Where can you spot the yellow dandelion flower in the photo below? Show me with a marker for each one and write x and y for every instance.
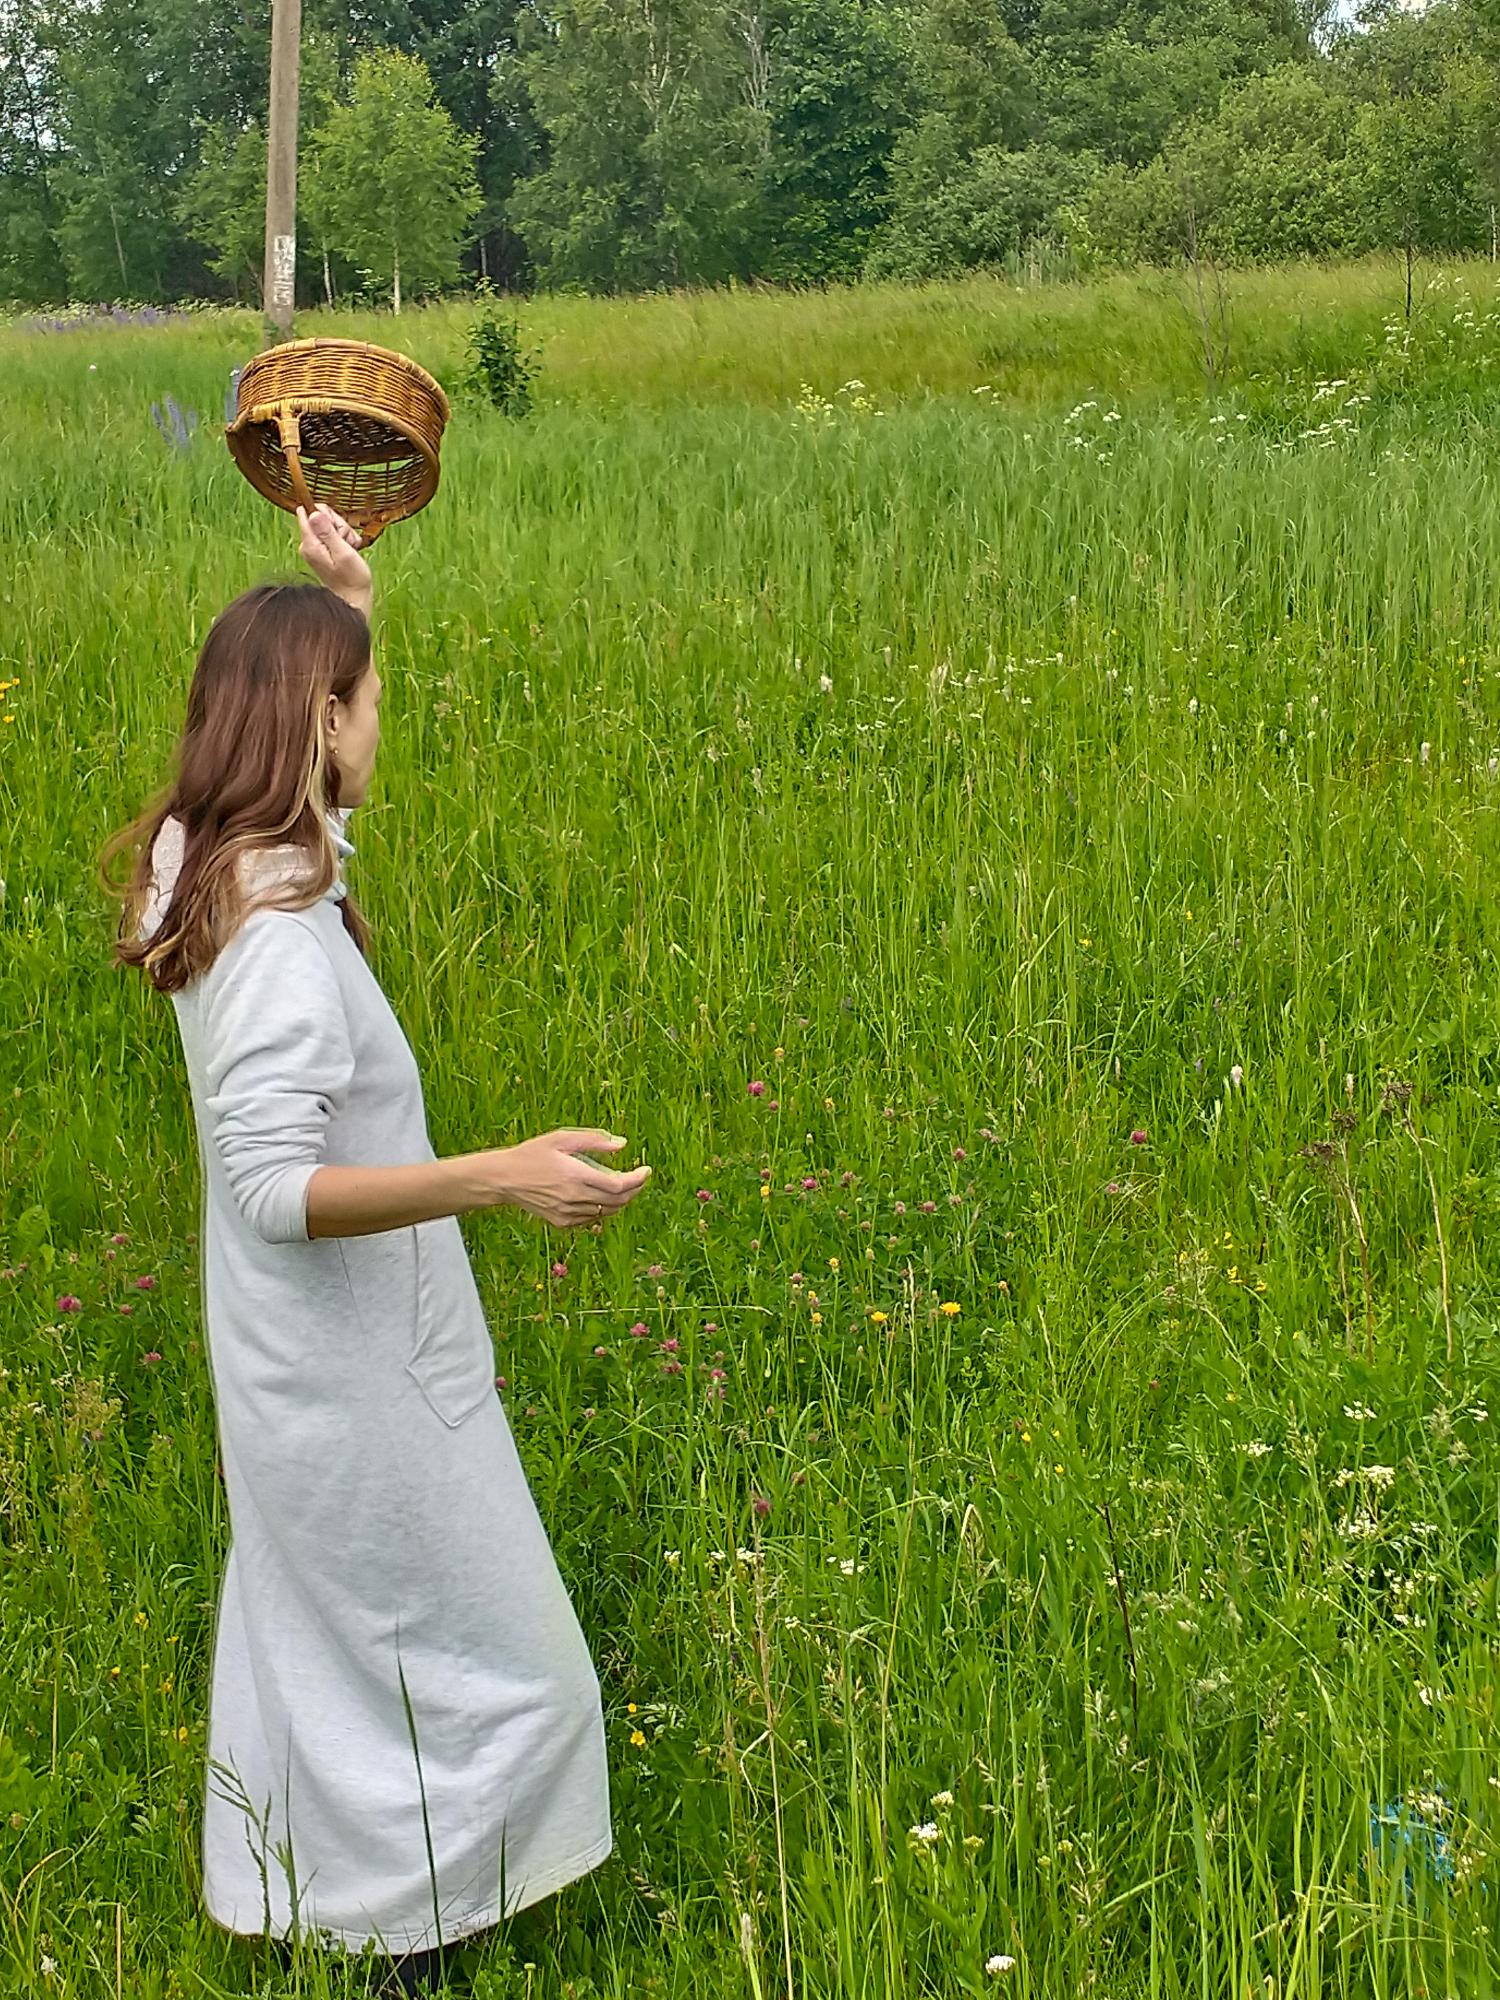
(879, 1318)
(637, 1738)
(952, 1308)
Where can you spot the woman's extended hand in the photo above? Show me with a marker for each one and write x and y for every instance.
(330, 548)
(548, 1178)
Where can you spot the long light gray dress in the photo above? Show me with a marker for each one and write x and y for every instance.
(381, 1526)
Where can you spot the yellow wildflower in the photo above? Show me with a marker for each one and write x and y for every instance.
(879, 1318)
(630, 1708)
(952, 1308)
(833, 1263)
(637, 1738)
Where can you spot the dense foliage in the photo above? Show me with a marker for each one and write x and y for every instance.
(629, 144)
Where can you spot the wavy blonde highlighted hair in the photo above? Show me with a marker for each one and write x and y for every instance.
(252, 773)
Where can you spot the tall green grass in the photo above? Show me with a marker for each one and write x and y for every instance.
(959, 713)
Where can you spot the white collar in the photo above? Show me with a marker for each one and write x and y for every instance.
(261, 868)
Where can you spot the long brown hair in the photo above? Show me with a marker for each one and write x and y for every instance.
(252, 772)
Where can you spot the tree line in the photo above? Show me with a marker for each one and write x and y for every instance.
(619, 145)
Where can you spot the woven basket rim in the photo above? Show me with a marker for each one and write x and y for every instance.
(318, 406)
(331, 343)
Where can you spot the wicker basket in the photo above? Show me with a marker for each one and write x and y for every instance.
(340, 422)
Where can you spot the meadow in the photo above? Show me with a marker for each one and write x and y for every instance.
(995, 793)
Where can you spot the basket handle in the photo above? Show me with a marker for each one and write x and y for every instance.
(291, 447)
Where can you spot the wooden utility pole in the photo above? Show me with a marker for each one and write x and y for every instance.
(281, 172)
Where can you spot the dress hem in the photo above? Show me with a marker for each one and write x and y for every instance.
(485, 1917)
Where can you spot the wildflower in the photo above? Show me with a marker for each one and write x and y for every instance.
(145, 1284)
(591, 1411)
(653, 1270)
(879, 1318)
(705, 1194)
(756, 1089)
(1236, 1076)
(1360, 1412)
(669, 1345)
(942, 1798)
(1026, 1437)
(150, 1360)
(760, 1504)
(833, 1263)
(809, 1182)
(674, 1556)
(929, 1208)
(637, 1738)
(68, 1304)
(900, 1208)
(559, 1270)
(639, 1330)
(817, 1319)
(925, 1834)
(630, 1708)
(600, 1352)
(502, 1381)
(1001, 1962)
(1138, 1137)
(182, 1733)
(951, 1308)
(671, 1368)
(119, 1238)
(959, 1153)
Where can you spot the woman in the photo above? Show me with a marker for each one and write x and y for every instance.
(405, 1733)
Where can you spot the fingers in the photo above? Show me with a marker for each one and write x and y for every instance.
(613, 1189)
(328, 525)
(572, 1140)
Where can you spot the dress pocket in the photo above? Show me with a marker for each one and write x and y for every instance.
(453, 1360)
